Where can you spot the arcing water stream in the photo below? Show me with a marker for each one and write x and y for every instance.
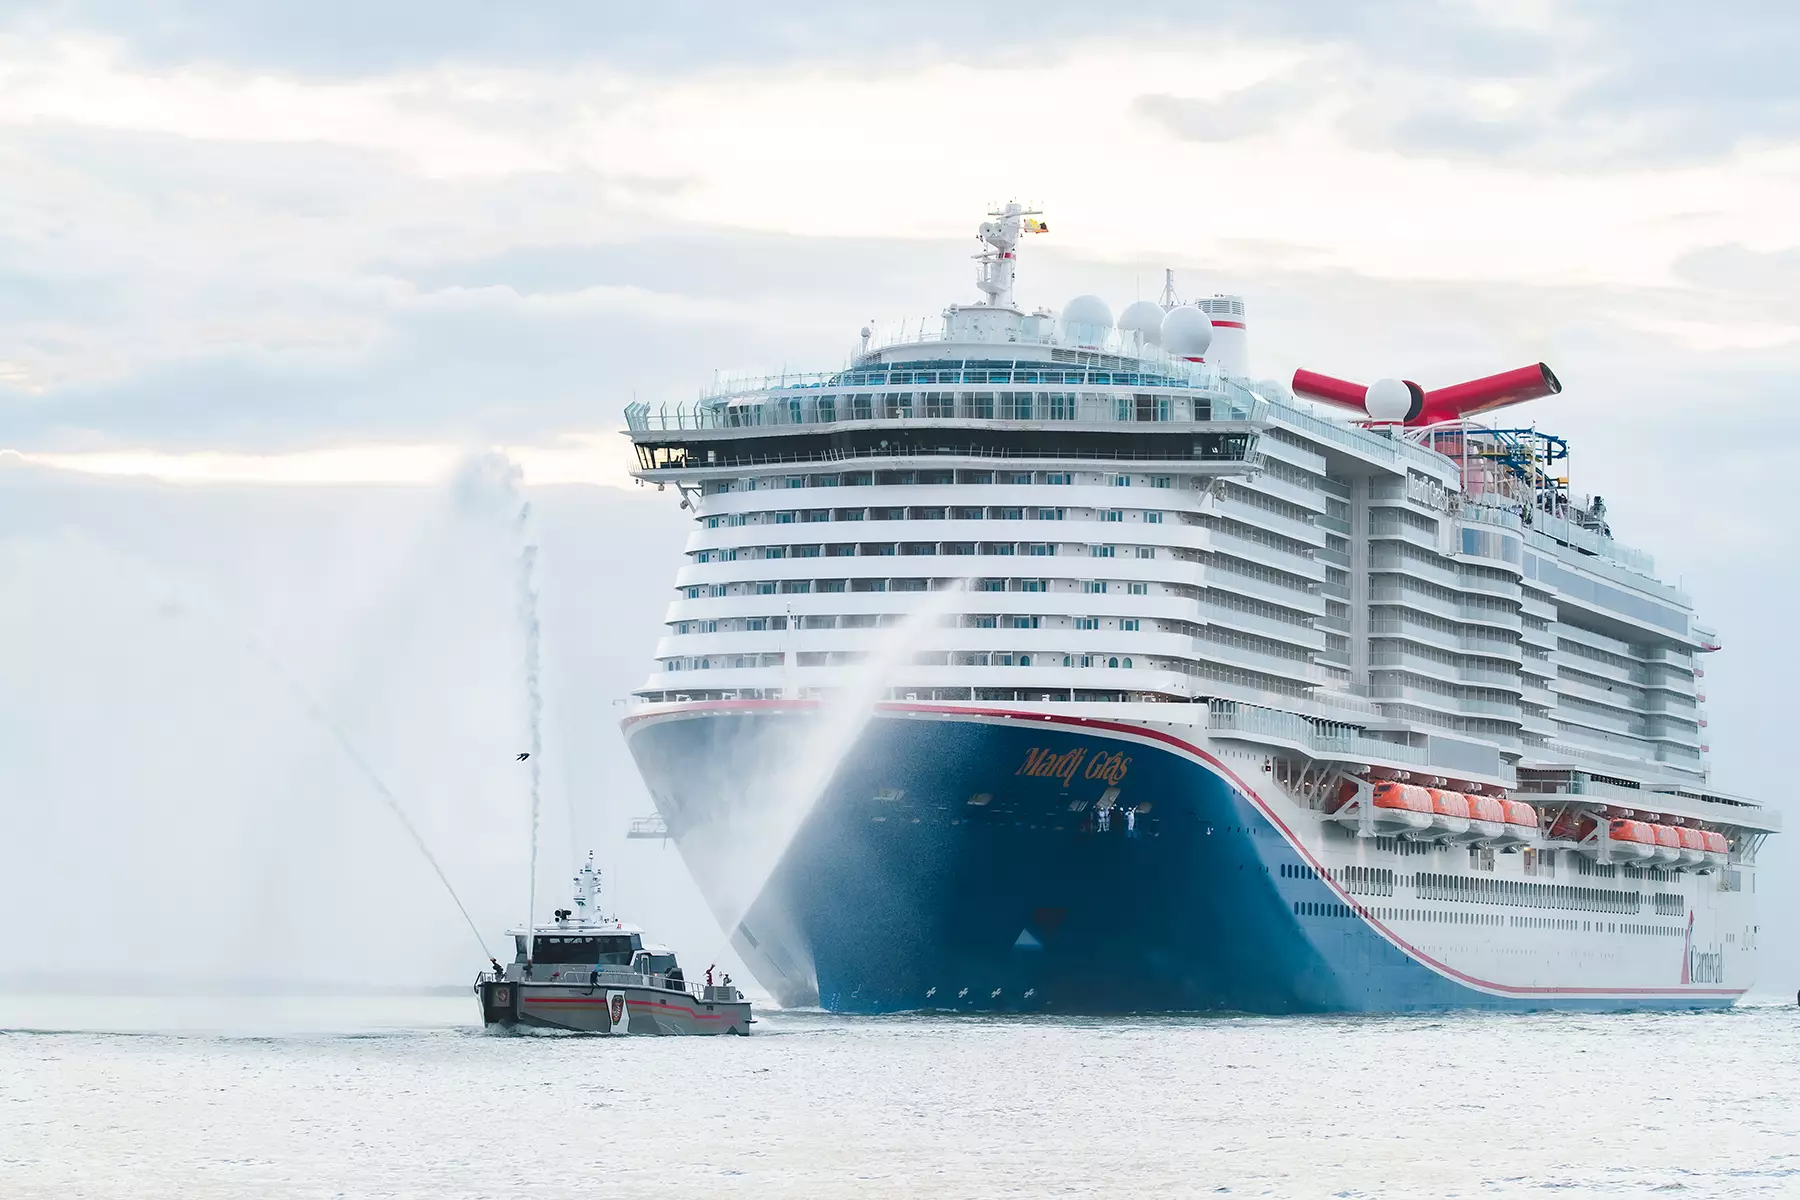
(323, 720)
(164, 749)
(492, 482)
(799, 778)
(534, 701)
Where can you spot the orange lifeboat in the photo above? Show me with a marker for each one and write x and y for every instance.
(1487, 818)
(1668, 844)
(1718, 850)
(1631, 841)
(1693, 846)
(1400, 808)
(1449, 814)
(1521, 825)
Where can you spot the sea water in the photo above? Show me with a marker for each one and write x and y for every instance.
(397, 1096)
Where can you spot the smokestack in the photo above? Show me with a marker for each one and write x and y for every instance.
(1344, 394)
(1230, 349)
(1494, 391)
(1340, 392)
(1441, 404)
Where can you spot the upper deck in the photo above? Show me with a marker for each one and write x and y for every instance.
(1121, 515)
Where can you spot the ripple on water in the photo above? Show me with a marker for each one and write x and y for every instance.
(398, 1101)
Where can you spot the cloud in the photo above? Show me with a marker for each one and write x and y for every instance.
(1243, 113)
(1583, 88)
(207, 251)
(1596, 84)
(1735, 268)
(342, 38)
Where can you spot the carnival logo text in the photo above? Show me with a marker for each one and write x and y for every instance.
(1047, 764)
(1704, 967)
(1700, 966)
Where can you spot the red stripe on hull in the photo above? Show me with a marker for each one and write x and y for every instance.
(601, 1000)
(1267, 811)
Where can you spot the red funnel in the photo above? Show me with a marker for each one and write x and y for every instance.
(1443, 404)
(1480, 395)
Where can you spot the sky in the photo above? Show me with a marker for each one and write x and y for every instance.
(322, 250)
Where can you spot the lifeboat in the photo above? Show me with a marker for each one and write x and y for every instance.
(1630, 841)
(1693, 847)
(1521, 825)
(1668, 845)
(1400, 808)
(1487, 819)
(1450, 815)
(1717, 848)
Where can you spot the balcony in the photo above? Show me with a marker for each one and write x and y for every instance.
(1232, 583)
(1420, 697)
(1273, 557)
(1628, 700)
(1300, 670)
(1305, 497)
(1506, 588)
(1250, 514)
(1231, 618)
(1285, 728)
(1380, 530)
(1448, 672)
(1385, 560)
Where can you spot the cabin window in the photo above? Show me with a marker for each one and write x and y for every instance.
(613, 948)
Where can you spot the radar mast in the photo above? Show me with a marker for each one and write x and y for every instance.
(1169, 299)
(1000, 241)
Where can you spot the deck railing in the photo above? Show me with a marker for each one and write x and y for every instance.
(605, 978)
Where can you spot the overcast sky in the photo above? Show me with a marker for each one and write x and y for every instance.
(266, 228)
(341, 241)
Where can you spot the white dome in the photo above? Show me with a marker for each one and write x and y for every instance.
(1388, 400)
(1086, 319)
(1143, 317)
(1186, 332)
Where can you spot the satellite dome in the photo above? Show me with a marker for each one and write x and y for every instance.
(1388, 400)
(1145, 318)
(1086, 319)
(1186, 332)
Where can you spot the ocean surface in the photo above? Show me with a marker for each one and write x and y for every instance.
(328, 1097)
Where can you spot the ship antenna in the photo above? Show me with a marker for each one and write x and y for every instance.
(999, 237)
(1169, 299)
(587, 891)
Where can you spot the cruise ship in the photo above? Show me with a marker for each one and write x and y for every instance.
(1042, 661)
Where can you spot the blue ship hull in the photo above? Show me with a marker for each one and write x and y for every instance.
(957, 861)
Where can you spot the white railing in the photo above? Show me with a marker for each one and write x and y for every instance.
(1127, 347)
(838, 398)
(1232, 716)
(1365, 442)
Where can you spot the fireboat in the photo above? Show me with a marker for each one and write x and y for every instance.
(588, 973)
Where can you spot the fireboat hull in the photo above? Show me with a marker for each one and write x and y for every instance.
(611, 1010)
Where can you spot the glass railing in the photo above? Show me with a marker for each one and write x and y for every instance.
(1232, 716)
(1362, 441)
(886, 393)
